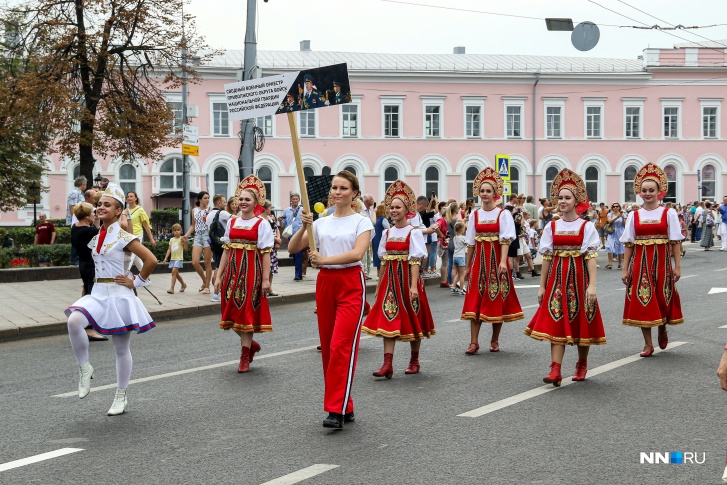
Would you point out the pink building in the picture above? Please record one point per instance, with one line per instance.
(437, 120)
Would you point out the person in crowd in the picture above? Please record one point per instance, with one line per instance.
(442, 244)
(277, 241)
(399, 313)
(708, 217)
(614, 246)
(530, 207)
(514, 250)
(546, 213)
(533, 238)
(45, 231)
(244, 273)
(426, 210)
(175, 255)
(722, 217)
(341, 240)
(140, 222)
(682, 224)
(601, 224)
(524, 249)
(568, 311)
(201, 244)
(491, 297)
(381, 225)
(214, 217)
(369, 211)
(231, 210)
(452, 216)
(74, 197)
(291, 217)
(459, 265)
(652, 261)
(103, 184)
(112, 308)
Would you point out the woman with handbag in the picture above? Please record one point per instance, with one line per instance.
(652, 257)
(270, 217)
(614, 228)
(707, 227)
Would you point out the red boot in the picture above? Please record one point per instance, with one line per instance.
(581, 369)
(244, 360)
(387, 370)
(554, 377)
(663, 337)
(254, 347)
(413, 364)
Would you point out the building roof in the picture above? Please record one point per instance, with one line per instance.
(357, 61)
(709, 44)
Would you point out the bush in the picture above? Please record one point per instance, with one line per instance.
(63, 235)
(58, 222)
(57, 254)
(6, 255)
(22, 235)
(164, 219)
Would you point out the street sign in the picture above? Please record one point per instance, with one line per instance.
(506, 189)
(190, 140)
(503, 166)
(190, 150)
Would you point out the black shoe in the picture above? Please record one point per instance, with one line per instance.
(297, 278)
(534, 273)
(520, 276)
(349, 417)
(334, 420)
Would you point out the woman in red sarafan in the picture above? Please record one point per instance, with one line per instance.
(490, 295)
(400, 311)
(568, 312)
(244, 272)
(652, 258)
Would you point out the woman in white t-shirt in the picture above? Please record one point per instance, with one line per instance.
(342, 239)
(201, 240)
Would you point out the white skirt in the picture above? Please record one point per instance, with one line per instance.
(113, 309)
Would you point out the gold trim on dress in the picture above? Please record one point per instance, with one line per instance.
(590, 256)
(395, 257)
(487, 238)
(486, 319)
(581, 342)
(650, 242)
(409, 337)
(250, 247)
(652, 323)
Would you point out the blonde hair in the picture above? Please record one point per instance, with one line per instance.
(176, 226)
(82, 210)
(451, 212)
(357, 204)
(380, 210)
(459, 227)
(96, 197)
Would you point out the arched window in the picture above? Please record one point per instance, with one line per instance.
(671, 177)
(171, 175)
(127, 177)
(709, 180)
(221, 179)
(514, 179)
(76, 171)
(431, 181)
(550, 174)
(308, 172)
(592, 183)
(470, 176)
(391, 174)
(266, 175)
(352, 169)
(629, 176)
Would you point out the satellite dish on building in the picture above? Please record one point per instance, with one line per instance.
(585, 36)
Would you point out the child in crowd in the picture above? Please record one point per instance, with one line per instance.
(458, 264)
(177, 246)
(533, 238)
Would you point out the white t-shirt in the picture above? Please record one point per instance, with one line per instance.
(417, 246)
(507, 225)
(591, 241)
(211, 217)
(674, 229)
(337, 235)
(265, 238)
(460, 246)
(532, 234)
(436, 217)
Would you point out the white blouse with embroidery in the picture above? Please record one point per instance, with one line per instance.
(507, 225)
(674, 229)
(265, 237)
(591, 241)
(417, 247)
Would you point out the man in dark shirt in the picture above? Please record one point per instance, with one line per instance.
(425, 208)
(45, 231)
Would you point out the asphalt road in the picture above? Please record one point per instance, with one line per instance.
(212, 425)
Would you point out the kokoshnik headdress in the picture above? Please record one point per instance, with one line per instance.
(258, 188)
(489, 176)
(651, 171)
(400, 190)
(568, 179)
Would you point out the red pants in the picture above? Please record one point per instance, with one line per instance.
(340, 297)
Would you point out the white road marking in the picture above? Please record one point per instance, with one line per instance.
(36, 458)
(721, 269)
(524, 396)
(723, 326)
(518, 287)
(687, 276)
(530, 306)
(714, 291)
(301, 475)
(189, 371)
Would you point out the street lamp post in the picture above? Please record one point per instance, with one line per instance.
(98, 179)
(35, 192)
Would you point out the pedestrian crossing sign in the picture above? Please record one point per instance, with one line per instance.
(506, 189)
(503, 166)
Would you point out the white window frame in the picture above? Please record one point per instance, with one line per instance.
(519, 102)
(633, 103)
(273, 180)
(477, 102)
(355, 101)
(399, 175)
(594, 103)
(392, 101)
(137, 180)
(672, 103)
(163, 190)
(174, 98)
(710, 103)
(215, 98)
(630, 189)
(272, 125)
(315, 123)
(554, 103)
(598, 180)
(433, 102)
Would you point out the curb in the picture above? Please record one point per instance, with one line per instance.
(59, 328)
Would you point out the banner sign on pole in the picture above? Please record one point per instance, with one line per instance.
(503, 166)
(318, 88)
(257, 97)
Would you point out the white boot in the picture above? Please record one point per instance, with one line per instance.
(84, 383)
(120, 403)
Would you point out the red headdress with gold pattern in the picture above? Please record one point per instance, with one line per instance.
(651, 171)
(258, 188)
(400, 190)
(568, 179)
(489, 176)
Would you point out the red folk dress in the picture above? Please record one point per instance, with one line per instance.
(394, 314)
(490, 297)
(564, 316)
(244, 308)
(651, 296)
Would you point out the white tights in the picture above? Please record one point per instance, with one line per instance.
(79, 342)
